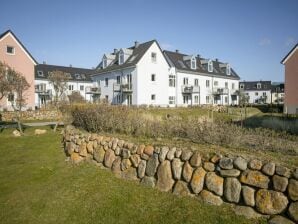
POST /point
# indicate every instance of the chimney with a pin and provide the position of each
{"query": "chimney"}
(216, 59)
(44, 62)
(115, 51)
(70, 65)
(137, 44)
(199, 56)
(177, 51)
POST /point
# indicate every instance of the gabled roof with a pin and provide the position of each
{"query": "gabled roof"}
(178, 61)
(20, 43)
(252, 85)
(289, 54)
(137, 53)
(76, 74)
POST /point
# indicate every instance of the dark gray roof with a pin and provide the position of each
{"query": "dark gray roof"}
(132, 60)
(9, 31)
(265, 85)
(176, 60)
(285, 58)
(278, 87)
(76, 74)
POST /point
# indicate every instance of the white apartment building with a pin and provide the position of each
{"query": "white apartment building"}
(145, 75)
(256, 92)
(79, 81)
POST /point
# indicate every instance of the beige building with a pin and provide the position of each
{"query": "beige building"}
(14, 53)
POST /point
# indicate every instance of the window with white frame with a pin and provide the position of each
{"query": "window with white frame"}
(106, 82)
(210, 66)
(121, 57)
(172, 100)
(226, 99)
(226, 85)
(40, 73)
(118, 79)
(185, 81)
(153, 97)
(81, 88)
(207, 99)
(259, 86)
(196, 99)
(107, 98)
(118, 99)
(196, 82)
(185, 99)
(233, 85)
(153, 78)
(153, 57)
(264, 94)
(172, 80)
(70, 87)
(207, 83)
(10, 50)
(10, 97)
(215, 83)
(241, 86)
(228, 69)
(193, 63)
(256, 93)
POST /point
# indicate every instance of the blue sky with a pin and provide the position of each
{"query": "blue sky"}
(253, 36)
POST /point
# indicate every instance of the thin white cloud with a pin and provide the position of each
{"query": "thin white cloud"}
(167, 46)
(265, 42)
(290, 41)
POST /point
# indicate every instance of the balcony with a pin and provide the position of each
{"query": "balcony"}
(125, 88)
(189, 89)
(220, 91)
(235, 92)
(41, 90)
(93, 90)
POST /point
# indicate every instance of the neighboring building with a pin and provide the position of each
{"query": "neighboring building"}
(145, 75)
(256, 92)
(14, 53)
(277, 93)
(290, 62)
(201, 81)
(79, 81)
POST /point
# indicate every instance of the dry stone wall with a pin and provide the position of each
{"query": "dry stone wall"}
(253, 186)
(32, 115)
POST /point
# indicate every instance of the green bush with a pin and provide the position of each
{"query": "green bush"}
(135, 121)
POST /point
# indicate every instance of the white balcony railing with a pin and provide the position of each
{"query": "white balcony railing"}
(220, 91)
(93, 90)
(189, 89)
(122, 87)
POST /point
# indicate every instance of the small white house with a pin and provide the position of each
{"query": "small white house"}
(256, 92)
(79, 81)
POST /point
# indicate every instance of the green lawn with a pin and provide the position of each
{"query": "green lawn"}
(37, 185)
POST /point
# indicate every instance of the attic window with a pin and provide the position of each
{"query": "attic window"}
(241, 86)
(228, 69)
(259, 86)
(210, 66)
(104, 62)
(40, 73)
(10, 50)
(121, 57)
(193, 63)
(78, 76)
(153, 57)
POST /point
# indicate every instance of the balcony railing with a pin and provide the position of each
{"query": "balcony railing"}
(220, 91)
(93, 90)
(41, 90)
(123, 87)
(189, 89)
(235, 92)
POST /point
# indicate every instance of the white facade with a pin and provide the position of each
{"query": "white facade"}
(258, 97)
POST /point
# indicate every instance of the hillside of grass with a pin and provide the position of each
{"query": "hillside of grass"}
(37, 185)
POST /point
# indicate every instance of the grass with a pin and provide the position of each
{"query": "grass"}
(37, 185)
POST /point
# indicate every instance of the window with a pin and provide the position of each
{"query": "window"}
(81, 88)
(228, 69)
(40, 73)
(78, 76)
(193, 63)
(10, 50)
(172, 100)
(207, 99)
(196, 99)
(226, 99)
(106, 81)
(107, 98)
(172, 80)
(259, 86)
(70, 87)
(104, 62)
(121, 57)
(153, 97)
(233, 85)
(185, 81)
(241, 86)
(264, 93)
(118, 99)
(210, 66)
(256, 93)
(153, 57)
(226, 85)
(185, 99)
(118, 79)
(196, 82)
(10, 97)
(215, 83)
(98, 83)
(153, 78)
(207, 83)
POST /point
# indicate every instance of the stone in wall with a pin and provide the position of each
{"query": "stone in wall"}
(214, 183)
(197, 181)
(164, 176)
(187, 171)
(254, 178)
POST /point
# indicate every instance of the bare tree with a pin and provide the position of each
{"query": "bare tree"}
(59, 81)
(5, 86)
(76, 97)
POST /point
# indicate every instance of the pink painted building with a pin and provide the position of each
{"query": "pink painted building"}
(14, 53)
(290, 62)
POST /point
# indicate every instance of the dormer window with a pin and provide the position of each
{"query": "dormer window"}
(10, 50)
(228, 69)
(241, 86)
(121, 57)
(78, 76)
(40, 73)
(210, 66)
(153, 57)
(193, 63)
(259, 86)
(104, 62)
